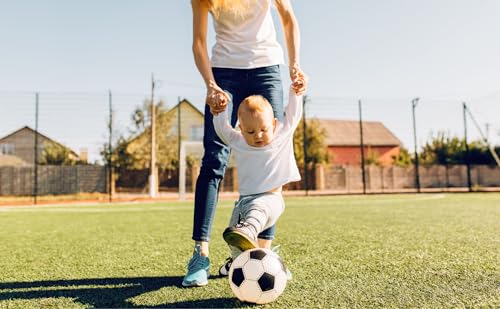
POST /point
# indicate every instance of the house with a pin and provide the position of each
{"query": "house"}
(10, 160)
(343, 141)
(183, 121)
(21, 144)
(191, 124)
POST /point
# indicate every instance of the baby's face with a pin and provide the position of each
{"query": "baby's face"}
(258, 130)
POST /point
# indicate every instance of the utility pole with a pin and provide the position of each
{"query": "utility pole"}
(304, 136)
(414, 103)
(467, 155)
(152, 177)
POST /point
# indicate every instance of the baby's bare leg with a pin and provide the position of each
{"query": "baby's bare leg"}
(264, 243)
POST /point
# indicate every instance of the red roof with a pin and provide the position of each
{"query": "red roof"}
(347, 133)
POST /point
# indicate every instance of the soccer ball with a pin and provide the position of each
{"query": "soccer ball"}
(257, 276)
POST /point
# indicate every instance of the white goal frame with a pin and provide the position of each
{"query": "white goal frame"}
(187, 147)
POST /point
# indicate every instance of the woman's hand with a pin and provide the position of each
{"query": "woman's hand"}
(216, 99)
(299, 79)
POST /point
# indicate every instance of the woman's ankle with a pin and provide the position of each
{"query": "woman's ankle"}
(203, 247)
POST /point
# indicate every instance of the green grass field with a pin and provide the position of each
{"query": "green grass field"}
(429, 250)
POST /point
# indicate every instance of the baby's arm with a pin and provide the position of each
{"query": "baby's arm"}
(293, 111)
(223, 129)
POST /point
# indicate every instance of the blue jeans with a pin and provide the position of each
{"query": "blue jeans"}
(238, 83)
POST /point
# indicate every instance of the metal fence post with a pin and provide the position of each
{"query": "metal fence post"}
(35, 188)
(110, 149)
(362, 146)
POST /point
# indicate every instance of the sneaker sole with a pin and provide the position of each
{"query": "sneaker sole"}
(193, 284)
(239, 240)
(221, 272)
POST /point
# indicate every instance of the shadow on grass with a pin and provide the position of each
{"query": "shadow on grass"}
(105, 292)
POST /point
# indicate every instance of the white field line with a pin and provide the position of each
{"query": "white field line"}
(94, 210)
(116, 207)
(367, 199)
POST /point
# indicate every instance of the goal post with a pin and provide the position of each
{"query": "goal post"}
(188, 148)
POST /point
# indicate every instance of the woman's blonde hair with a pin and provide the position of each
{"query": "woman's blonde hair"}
(234, 8)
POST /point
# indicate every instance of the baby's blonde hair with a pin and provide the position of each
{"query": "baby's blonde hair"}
(254, 105)
(235, 8)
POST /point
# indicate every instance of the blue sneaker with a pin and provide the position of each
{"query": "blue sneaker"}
(198, 270)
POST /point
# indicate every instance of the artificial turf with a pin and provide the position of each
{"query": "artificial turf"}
(396, 251)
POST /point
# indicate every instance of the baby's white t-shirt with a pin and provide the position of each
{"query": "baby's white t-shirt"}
(262, 169)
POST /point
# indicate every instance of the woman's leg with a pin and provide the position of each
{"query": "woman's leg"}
(212, 170)
(216, 154)
(267, 82)
(207, 188)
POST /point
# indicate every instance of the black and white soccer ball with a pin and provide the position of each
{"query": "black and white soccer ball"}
(257, 276)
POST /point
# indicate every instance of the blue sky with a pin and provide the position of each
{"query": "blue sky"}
(382, 52)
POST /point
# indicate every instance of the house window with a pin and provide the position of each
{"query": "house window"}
(7, 149)
(196, 133)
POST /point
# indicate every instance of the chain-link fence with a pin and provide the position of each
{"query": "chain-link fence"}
(77, 144)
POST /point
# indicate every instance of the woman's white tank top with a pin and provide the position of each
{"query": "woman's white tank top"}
(246, 43)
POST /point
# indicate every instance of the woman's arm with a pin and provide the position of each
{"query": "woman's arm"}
(216, 98)
(292, 38)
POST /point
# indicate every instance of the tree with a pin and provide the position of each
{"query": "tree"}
(403, 159)
(445, 149)
(134, 152)
(372, 157)
(317, 151)
(56, 154)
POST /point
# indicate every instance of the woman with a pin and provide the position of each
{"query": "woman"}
(245, 61)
